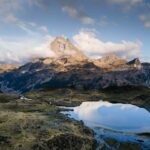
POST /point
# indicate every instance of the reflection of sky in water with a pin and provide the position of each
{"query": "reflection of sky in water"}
(122, 117)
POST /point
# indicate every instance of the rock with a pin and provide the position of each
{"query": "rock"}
(112, 60)
(67, 142)
(135, 63)
(8, 67)
(4, 139)
(63, 47)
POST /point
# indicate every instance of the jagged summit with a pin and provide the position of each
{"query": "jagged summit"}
(110, 60)
(68, 72)
(135, 63)
(62, 46)
(136, 60)
(72, 69)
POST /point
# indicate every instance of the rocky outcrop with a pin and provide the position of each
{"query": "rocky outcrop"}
(112, 60)
(63, 47)
(8, 67)
(67, 142)
(135, 63)
(111, 63)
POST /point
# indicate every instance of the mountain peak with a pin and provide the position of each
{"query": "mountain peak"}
(61, 39)
(62, 46)
(112, 59)
(135, 63)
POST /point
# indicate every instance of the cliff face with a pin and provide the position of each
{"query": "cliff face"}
(75, 71)
(63, 47)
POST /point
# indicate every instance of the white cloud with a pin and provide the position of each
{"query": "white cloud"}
(33, 24)
(145, 18)
(10, 18)
(8, 9)
(43, 28)
(89, 43)
(126, 5)
(26, 49)
(28, 27)
(25, 26)
(81, 16)
(20, 51)
(10, 6)
(129, 2)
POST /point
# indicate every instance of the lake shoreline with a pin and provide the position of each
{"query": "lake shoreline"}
(103, 133)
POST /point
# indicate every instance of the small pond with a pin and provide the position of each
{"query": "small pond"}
(118, 117)
(120, 121)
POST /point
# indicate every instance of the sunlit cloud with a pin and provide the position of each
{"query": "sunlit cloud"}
(24, 50)
(88, 42)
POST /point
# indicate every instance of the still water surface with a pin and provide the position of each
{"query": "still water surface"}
(122, 122)
(117, 117)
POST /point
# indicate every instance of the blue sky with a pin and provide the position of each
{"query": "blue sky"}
(97, 27)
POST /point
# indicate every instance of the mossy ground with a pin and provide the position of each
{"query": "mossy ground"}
(69, 97)
(139, 96)
(36, 124)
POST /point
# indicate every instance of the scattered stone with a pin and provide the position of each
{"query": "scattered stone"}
(4, 139)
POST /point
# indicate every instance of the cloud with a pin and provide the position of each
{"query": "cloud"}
(8, 11)
(43, 28)
(25, 26)
(9, 6)
(28, 27)
(10, 18)
(39, 3)
(126, 5)
(145, 18)
(89, 43)
(129, 2)
(24, 50)
(78, 14)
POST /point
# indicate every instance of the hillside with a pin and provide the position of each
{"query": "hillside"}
(75, 71)
(8, 67)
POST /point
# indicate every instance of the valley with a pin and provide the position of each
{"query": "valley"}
(74, 74)
(36, 122)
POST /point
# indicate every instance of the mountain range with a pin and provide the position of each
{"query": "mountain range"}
(72, 69)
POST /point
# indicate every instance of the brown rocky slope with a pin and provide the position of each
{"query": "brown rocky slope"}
(72, 69)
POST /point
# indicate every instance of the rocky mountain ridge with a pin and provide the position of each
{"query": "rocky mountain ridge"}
(63, 47)
(75, 70)
(8, 67)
